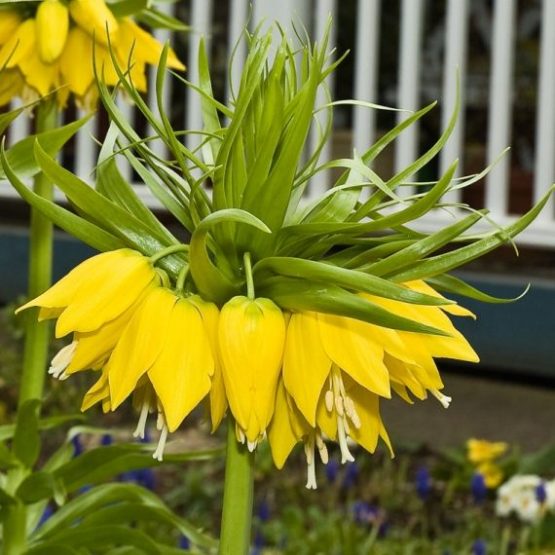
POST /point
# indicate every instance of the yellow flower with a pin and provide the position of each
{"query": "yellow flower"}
(53, 51)
(492, 473)
(251, 337)
(483, 451)
(335, 369)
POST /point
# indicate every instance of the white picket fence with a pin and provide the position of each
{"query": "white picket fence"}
(367, 43)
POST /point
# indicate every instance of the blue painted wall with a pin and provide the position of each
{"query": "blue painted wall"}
(519, 336)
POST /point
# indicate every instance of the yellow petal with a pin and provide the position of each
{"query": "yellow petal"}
(19, 46)
(402, 373)
(350, 346)
(181, 373)
(141, 46)
(62, 292)
(282, 435)
(52, 28)
(9, 22)
(11, 85)
(94, 17)
(93, 348)
(218, 400)
(305, 363)
(105, 295)
(140, 344)
(251, 339)
(454, 309)
(481, 450)
(39, 75)
(98, 392)
(76, 61)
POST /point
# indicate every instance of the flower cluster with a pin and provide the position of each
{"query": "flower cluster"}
(528, 496)
(484, 455)
(302, 376)
(51, 49)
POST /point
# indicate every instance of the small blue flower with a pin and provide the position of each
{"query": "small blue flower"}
(77, 445)
(263, 511)
(478, 488)
(423, 483)
(332, 469)
(106, 439)
(184, 542)
(364, 513)
(541, 493)
(46, 514)
(479, 547)
(351, 475)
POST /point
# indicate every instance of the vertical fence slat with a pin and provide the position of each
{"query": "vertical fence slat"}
(20, 127)
(366, 72)
(500, 105)
(162, 35)
(324, 8)
(85, 148)
(237, 21)
(412, 16)
(456, 40)
(201, 23)
(545, 115)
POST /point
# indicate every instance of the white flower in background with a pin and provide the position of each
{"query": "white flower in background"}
(528, 496)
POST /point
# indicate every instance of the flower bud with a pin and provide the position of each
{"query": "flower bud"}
(251, 335)
(94, 17)
(9, 22)
(52, 27)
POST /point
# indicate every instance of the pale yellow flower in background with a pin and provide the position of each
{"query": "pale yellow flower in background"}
(482, 451)
(492, 473)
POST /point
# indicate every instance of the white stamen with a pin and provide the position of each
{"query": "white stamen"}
(352, 412)
(251, 445)
(443, 399)
(62, 360)
(160, 421)
(342, 436)
(322, 449)
(339, 405)
(141, 425)
(159, 453)
(241, 438)
(328, 399)
(311, 463)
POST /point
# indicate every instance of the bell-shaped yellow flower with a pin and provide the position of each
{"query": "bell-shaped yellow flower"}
(52, 27)
(94, 17)
(251, 337)
(96, 291)
(19, 46)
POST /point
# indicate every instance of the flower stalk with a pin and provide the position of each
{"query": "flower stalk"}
(238, 496)
(35, 353)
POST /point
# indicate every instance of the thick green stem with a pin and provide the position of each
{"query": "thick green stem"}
(238, 495)
(37, 335)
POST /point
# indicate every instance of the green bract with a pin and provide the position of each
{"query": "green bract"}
(241, 191)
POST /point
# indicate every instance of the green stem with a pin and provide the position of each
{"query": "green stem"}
(167, 251)
(248, 274)
(37, 335)
(238, 495)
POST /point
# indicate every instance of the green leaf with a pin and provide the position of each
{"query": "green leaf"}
(36, 487)
(541, 463)
(300, 295)
(103, 496)
(80, 228)
(446, 262)
(350, 279)
(411, 254)
(20, 156)
(111, 184)
(104, 463)
(7, 459)
(124, 8)
(112, 217)
(7, 430)
(452, 284)
(26, 439)
(155, 19)
(8, 117)
(210, 279)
